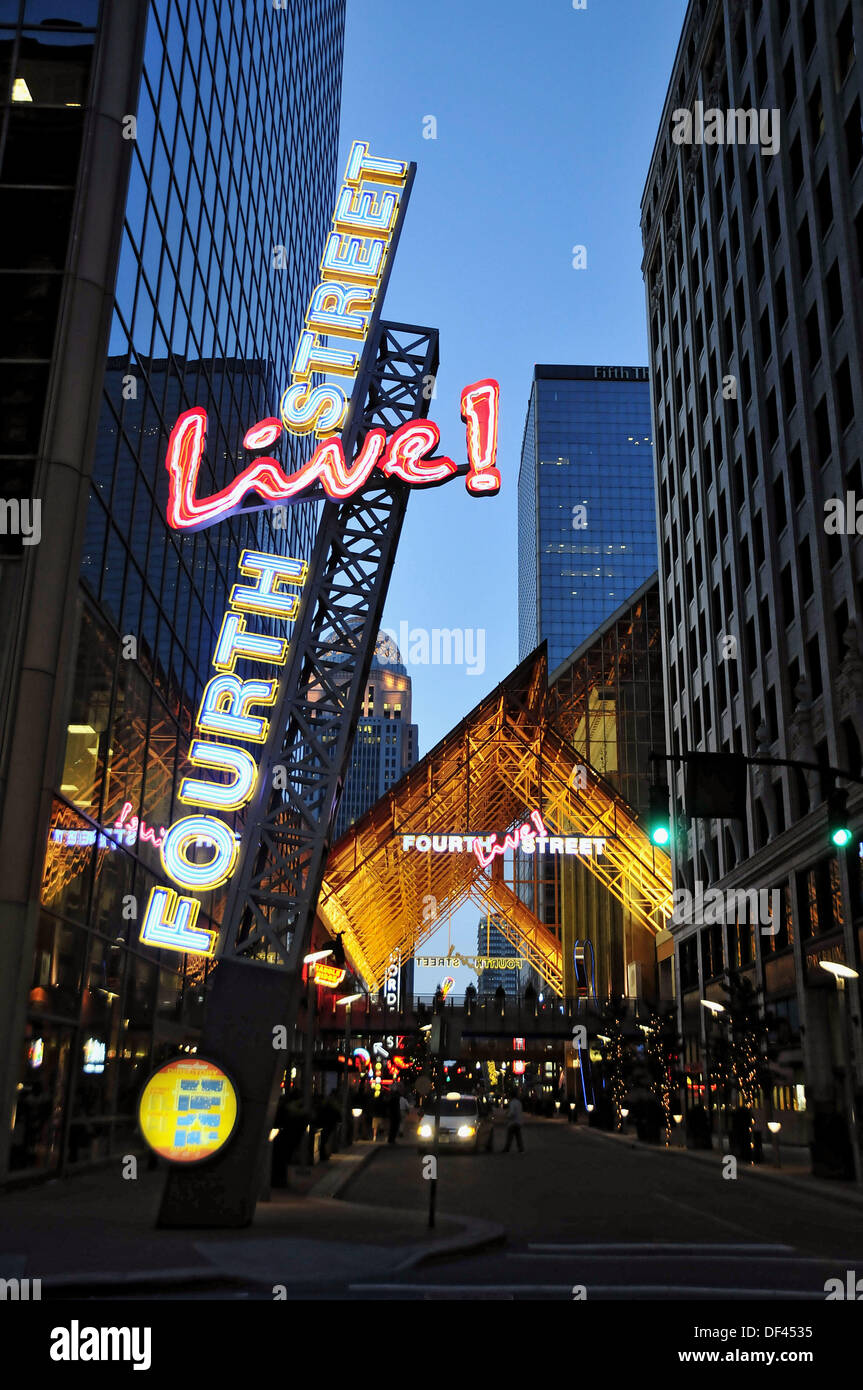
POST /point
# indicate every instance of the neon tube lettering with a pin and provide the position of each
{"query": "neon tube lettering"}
(225, 707)
(405, 455)
(266, 596)
(511, 840)
(219, 796)
(185, 833)
(169, 921)
(332, 309)
(362, 165)
(480, 410)
(365, 212)
(235, 641)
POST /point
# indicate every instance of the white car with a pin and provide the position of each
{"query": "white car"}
(462, 1124)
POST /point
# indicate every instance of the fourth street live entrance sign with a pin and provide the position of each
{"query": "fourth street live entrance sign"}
(279, 747)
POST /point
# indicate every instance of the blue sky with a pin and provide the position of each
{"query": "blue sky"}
(546, 119)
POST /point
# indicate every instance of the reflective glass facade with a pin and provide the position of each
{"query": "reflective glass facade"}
(587, 517)
(606, 701)
(490, 941)
(230, 194)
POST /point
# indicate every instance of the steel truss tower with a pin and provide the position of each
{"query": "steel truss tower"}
(271, 904)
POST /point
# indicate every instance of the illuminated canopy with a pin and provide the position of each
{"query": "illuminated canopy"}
(505, 758)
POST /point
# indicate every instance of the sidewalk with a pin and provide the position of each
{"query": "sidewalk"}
(795, 1174)
(95, 1234)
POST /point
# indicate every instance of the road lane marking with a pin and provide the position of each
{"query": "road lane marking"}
(593, 1290)
(648, 1247)
(698, 1211)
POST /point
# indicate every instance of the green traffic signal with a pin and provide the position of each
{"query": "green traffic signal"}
(837, 817)
(659, 815)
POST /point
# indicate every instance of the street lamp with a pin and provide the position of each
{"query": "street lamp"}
(714, 1009)
(774, 1126)
(841, 973)
(347, 1000)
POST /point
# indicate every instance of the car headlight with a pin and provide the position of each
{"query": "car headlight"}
(425, 1131)
(466, 1131)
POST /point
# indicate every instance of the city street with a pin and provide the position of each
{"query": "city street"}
(624, 1221)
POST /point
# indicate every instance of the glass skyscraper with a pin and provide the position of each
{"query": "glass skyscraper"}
(490, 941)
(169, 169)
(586, 510)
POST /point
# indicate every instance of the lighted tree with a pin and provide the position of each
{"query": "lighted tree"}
(743, 1053)
(663, 1049)
(616, 1056)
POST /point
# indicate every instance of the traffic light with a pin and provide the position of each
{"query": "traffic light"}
(715, 786)
(659, 815)
(837, 817)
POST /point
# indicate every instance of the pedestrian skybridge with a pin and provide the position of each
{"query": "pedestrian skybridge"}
(391, 880)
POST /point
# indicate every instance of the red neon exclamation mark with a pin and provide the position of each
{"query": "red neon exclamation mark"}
(480, 410)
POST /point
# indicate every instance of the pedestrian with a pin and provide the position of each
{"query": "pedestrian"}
(513, 1125)
(395, 1114)
(493, 1115)
(404, 1112)
(379, 1114)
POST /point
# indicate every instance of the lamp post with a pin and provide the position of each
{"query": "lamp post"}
(774, 1126)
(712, 1009)
(309, 1053)
(347, 1000)
(841, 973)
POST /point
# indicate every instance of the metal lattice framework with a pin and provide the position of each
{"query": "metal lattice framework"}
(505, 758)
(271, 903)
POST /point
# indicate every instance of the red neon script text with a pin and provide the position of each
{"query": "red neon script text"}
(512, 840)
(407, 454)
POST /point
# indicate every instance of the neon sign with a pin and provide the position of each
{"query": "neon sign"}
(328, 975)
(170, 920)
(94, 1056)
(529, 839)
(354, 265)
(407, 454)
(126, 826)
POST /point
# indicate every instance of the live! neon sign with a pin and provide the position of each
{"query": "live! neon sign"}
(407, 454)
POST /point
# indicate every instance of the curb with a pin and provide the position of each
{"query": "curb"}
(336, 1188)
(477, 1235)
(813, 1187)
(82, 1285)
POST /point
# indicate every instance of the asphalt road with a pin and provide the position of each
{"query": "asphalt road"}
(586, 1212)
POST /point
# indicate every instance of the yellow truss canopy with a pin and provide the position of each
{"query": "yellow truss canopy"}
(505, 759)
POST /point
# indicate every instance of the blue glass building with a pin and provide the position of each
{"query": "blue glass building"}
(490, 941)
(586, 510)
(169, 170)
